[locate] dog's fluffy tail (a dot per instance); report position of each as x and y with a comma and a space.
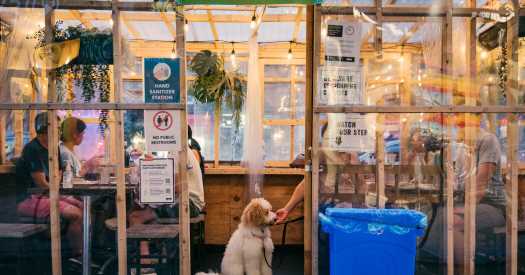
209, 273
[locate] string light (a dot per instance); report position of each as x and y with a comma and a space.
232, 55
252, 23
290, 54
186, 25
111, 22
173, 51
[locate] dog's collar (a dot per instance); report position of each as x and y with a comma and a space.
263, 233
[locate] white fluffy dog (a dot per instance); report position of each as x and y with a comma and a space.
250, 248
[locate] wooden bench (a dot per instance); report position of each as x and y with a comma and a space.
165, 237
17, 237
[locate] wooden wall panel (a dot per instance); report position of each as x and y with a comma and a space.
225, 200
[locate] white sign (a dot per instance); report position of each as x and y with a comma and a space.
157, 181
162, 130
351, 132
342, 43
340, 86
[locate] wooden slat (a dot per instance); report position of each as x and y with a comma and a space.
119, 135
90, 106
513, 145
312, 186
131, 29
421, 109
298, 20
78, 16
3, 136
18, 127
54, 183
446, 63
169, 24
213, 29
184, 240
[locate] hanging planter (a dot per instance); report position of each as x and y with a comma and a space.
214, 83
84, 55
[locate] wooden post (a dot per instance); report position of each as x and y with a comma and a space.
184, 214
312, 188
311, 79
380, 141
52, 135
513, 142
3, 136
447, 70
119, 148
293, 109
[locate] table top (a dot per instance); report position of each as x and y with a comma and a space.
20, 230
84, 188
153, 231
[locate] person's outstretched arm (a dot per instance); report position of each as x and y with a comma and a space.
297, 197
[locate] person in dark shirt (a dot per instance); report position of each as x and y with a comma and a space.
32, 170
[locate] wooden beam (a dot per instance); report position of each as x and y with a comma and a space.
120, 198
3, 136
213, 29
312, 135
169, 24
78, 16
297, 27
54, 182
404, 39
184, 214
154, 17
131, 29
513, 144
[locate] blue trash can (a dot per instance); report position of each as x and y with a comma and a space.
372, 241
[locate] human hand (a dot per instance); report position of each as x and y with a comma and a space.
282, 215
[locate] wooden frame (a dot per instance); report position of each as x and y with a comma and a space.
447, 12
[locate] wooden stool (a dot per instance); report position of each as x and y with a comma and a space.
19, 235
163, 234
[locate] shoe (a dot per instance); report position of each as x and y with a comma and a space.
143, 271
78, 261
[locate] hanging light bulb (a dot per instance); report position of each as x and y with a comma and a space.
232, 55
186, 25
252, 23
111, 22
290, 54
173, 51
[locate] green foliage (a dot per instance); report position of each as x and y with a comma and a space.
90, 69
216, 84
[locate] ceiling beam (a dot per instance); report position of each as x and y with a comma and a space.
297, 27
213, 28
131, 29
79, 17
154, 17
169, 24
410, 32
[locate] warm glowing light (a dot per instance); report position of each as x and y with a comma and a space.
186, 25
232, 57
253, 23
173, 54
484, 54
290, 54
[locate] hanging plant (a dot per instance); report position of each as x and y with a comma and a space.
214, 83
503, 66
90, 69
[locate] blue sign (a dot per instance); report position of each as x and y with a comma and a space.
161, 80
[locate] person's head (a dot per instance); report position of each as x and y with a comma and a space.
423, 140
41, 124
72, 130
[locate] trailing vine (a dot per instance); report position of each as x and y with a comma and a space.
503, 64
90, 69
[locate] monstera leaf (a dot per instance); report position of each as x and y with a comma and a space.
216, 84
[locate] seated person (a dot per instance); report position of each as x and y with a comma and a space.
72, 135
32, 170
148, 213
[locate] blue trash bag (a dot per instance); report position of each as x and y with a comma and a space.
372, 241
